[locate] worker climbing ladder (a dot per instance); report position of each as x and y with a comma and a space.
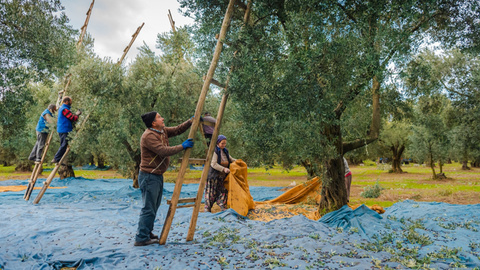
185, 160
47, 182
38, 165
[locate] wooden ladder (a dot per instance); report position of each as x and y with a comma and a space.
61, 94
47, 182
208, 79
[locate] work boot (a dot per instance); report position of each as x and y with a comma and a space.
153, 236
146, 243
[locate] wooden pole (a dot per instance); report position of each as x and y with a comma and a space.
36, 170
206, 167
84, 27
134, 36
172, 22
216, 131
196, 120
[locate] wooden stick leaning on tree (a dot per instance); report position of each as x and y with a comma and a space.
196, 121
216, 132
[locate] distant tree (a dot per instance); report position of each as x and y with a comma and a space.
457, 74
429, 140
395, 137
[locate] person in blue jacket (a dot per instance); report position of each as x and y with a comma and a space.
64, 125
46, 119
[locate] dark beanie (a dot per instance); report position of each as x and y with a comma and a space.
148, 118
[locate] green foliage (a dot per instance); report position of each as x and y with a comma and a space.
458, 75
429, 138
36, 44
35, 41
117, 97
372, 191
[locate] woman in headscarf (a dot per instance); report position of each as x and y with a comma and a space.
215, 191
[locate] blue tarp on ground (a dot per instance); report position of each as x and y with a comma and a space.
92, 223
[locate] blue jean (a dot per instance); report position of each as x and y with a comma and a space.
63, 146
151, 186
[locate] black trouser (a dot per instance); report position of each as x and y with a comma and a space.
209, 138
37, 151
63, 146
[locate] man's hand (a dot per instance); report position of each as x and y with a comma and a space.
226, 170
78, 112
187, 144
201, 118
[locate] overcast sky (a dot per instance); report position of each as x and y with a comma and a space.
113, 23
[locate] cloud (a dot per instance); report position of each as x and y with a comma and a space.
113, 23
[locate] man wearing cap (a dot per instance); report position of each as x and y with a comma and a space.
46, 119
64, 126
155, 158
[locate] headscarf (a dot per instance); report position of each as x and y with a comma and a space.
221, 138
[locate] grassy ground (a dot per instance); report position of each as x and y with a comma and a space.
461, 187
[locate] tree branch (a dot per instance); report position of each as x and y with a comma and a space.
349, 146
132, 153
449, 89
409, 30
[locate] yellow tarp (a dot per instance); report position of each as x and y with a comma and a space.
239, 197
310, 191
300, 193
19, 188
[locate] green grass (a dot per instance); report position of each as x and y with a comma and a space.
7, 170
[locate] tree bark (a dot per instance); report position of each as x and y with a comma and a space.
475, 163
465, 160
334, 192
432, 165
100, 161
375, 125
66, 171
397, 151
24, 166
135, 173
136, 157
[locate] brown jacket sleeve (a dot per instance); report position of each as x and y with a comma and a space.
174, 131
153, 144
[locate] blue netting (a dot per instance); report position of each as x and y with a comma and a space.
91, 224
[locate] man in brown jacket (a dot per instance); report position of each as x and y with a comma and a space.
155, 158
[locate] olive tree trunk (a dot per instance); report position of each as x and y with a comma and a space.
397, 152
66, 171
334, 192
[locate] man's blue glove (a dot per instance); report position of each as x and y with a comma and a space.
201, 118
187, 144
